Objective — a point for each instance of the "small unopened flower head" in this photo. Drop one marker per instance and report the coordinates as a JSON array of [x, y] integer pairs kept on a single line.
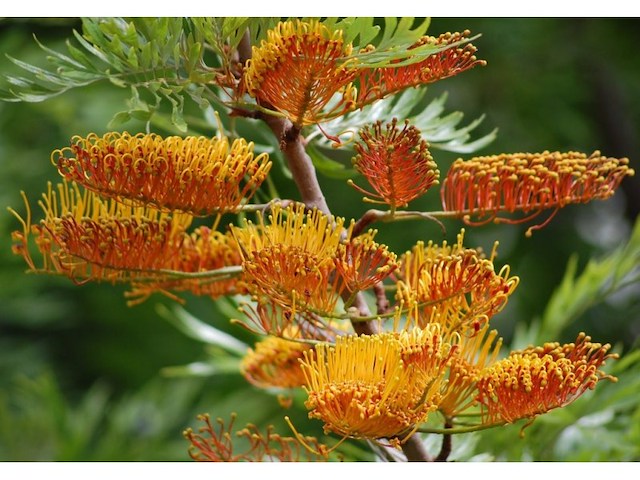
[[396, 163], [535, 380], [455, 56], [299, 70], [377, 386], [290, 260], [455, 286], [198, 175], [482, 188]]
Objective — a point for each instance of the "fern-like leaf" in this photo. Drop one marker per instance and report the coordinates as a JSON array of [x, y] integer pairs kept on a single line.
[[442, 132]]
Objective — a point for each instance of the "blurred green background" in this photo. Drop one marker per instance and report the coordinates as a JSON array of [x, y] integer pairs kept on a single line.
[[84, 377]]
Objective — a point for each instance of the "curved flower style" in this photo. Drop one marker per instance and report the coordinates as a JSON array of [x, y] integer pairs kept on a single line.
[[396, 163], [533, 381], [377, 386], [298, 246], [476, 352], [452, 285], [483, 187], [275, 362], [361, 262], [459, 57], [197, 175], [213, 444], [299, 69]]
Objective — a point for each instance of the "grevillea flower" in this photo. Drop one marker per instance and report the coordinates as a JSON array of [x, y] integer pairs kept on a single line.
[[396, 163], [275, 362], [298, 69], [361, 262], [535, 380], [215, 443], [452, 285], [377, 386], [377, 83], [85, 237], [198, 175], [484, 187], [290, 260]]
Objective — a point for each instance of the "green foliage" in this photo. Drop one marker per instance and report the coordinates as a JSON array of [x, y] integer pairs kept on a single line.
[[38, 422], [153, 54], [600, 279]]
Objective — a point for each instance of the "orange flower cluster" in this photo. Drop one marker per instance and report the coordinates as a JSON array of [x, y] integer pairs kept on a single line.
[[451, 285], [87, 238], [457, 56], [397, 164], [197, 175], [378, 386], [275, 362], [361, 262], [306, 72], [299, 69], [535, 380], [306, 248], [484, 187]]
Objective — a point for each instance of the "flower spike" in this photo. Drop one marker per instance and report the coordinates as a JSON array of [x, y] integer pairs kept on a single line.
[[379, 82], [454, 286], [300, 70], [300, 247], [377, 386], [87, 238], [484, 187], [396, 162], [197, 175], [535, 380]]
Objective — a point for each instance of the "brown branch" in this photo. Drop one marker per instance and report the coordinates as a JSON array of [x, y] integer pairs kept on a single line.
[[445, 451]]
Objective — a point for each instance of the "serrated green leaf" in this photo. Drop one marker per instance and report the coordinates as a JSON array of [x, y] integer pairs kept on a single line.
[[599, 279], [463, 147], [438, 130]]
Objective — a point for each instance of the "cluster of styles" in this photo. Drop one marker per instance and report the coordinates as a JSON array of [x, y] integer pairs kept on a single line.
[[124, 210]]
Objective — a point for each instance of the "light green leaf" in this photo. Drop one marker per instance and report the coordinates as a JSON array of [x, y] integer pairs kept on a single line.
[[198, 330]]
